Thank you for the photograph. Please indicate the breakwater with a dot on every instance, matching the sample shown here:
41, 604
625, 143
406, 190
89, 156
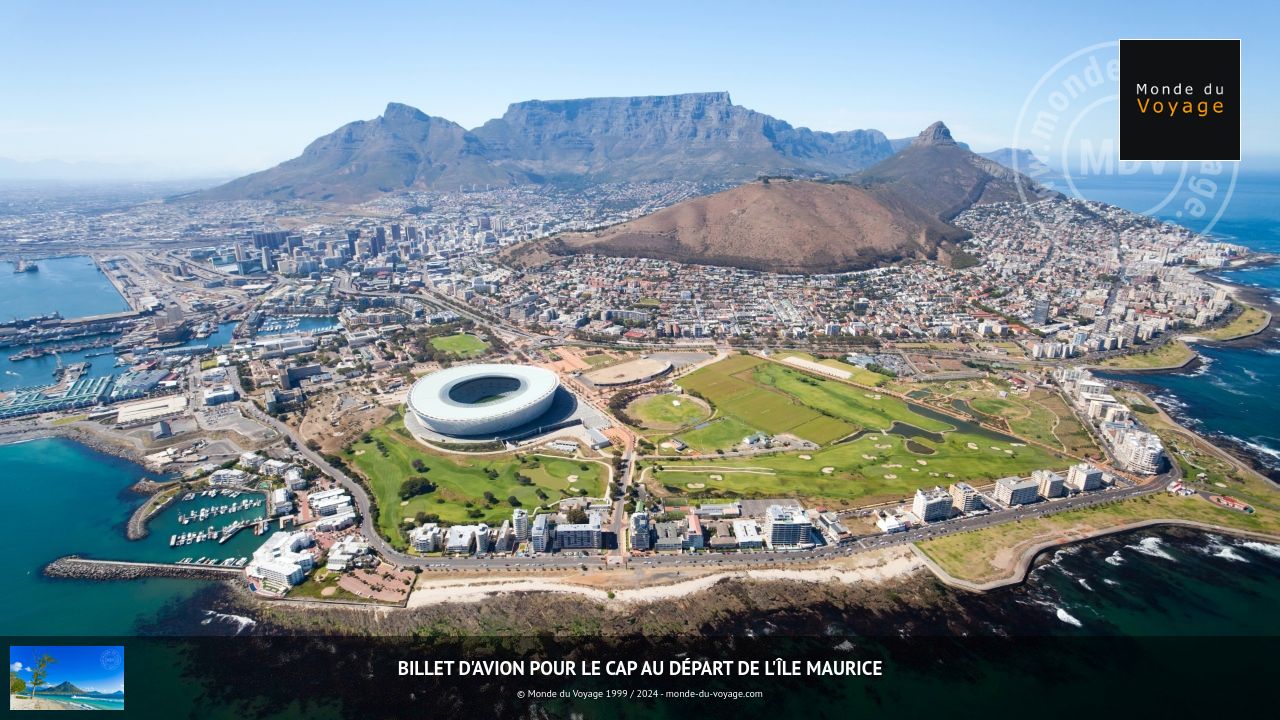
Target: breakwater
87, 569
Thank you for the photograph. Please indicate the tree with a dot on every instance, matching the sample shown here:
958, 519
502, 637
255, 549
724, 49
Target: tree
513, 501
16, 684
414, 486
576, 516
40, 673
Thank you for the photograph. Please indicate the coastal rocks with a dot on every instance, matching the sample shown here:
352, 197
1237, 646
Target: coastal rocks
80, 568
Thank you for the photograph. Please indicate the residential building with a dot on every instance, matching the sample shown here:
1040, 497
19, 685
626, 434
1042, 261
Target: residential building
520, 524
1083, 477
964, 498
540, 536
1017, 491
669, 536
1048, 483
641, 531
786, 528
580, 536
932, 505
748, 534
427, 538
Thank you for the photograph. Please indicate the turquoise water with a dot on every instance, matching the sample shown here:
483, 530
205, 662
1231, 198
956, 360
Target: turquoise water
65, 498
72, 286
97, 703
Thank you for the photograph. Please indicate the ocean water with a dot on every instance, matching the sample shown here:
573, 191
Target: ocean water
1232, 394
72, 286
97, 703
65, 498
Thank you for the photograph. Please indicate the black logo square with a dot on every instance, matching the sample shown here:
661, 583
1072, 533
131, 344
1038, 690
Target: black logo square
1179, 100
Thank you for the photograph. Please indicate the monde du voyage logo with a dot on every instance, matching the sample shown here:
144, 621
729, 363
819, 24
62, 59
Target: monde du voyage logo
1180, 100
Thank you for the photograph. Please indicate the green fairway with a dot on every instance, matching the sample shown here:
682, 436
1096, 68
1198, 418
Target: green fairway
919, 449
720, 434
1037, 414
667, 411
461, 480
872, 468
463, 345
761, 395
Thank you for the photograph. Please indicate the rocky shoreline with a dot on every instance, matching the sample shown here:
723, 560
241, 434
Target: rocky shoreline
101, 442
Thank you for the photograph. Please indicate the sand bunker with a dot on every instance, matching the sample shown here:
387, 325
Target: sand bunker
716, 477
972, 446
828, 470
922, 462
868, 457
890, 476
806, 457
696, 486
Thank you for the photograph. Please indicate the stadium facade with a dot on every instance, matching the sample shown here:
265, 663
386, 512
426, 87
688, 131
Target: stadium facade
482, 400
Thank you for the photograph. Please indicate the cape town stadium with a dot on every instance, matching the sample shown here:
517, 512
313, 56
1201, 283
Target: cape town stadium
474, 400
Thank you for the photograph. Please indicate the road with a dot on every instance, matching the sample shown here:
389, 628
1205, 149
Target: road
563, 561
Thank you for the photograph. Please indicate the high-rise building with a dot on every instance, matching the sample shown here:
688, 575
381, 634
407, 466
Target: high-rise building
786, 527
540, 536
964, 498
932, 505
520, 523
352, 237
1139, 451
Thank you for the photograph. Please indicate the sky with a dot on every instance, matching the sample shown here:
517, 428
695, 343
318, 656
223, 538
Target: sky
85, 666
205, 89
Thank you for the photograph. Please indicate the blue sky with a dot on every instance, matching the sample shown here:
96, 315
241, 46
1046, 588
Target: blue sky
199, 88
81, 665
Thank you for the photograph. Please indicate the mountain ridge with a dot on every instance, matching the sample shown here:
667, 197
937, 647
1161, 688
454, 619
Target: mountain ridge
701, 137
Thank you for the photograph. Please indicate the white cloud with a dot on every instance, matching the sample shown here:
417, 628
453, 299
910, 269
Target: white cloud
16, 667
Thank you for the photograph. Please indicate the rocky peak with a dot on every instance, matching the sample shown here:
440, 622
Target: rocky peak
935, 134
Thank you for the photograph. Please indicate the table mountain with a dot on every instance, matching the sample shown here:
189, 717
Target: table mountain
700, 137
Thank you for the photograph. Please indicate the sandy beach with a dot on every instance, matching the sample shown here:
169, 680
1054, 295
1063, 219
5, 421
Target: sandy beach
23, 702
868, 568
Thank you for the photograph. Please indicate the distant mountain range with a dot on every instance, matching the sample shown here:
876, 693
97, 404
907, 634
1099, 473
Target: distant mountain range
898, 209
701, 137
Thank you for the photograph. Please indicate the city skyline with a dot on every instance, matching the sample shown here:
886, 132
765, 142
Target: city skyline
93, 91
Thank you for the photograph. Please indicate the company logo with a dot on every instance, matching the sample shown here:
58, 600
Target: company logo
1070, 125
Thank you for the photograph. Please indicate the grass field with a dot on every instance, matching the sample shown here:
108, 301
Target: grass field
463, 345
1251, 321
667, 411
1039, 414
874, 467
598, 360
1169, 355
719, 434
461, 481
985, 555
